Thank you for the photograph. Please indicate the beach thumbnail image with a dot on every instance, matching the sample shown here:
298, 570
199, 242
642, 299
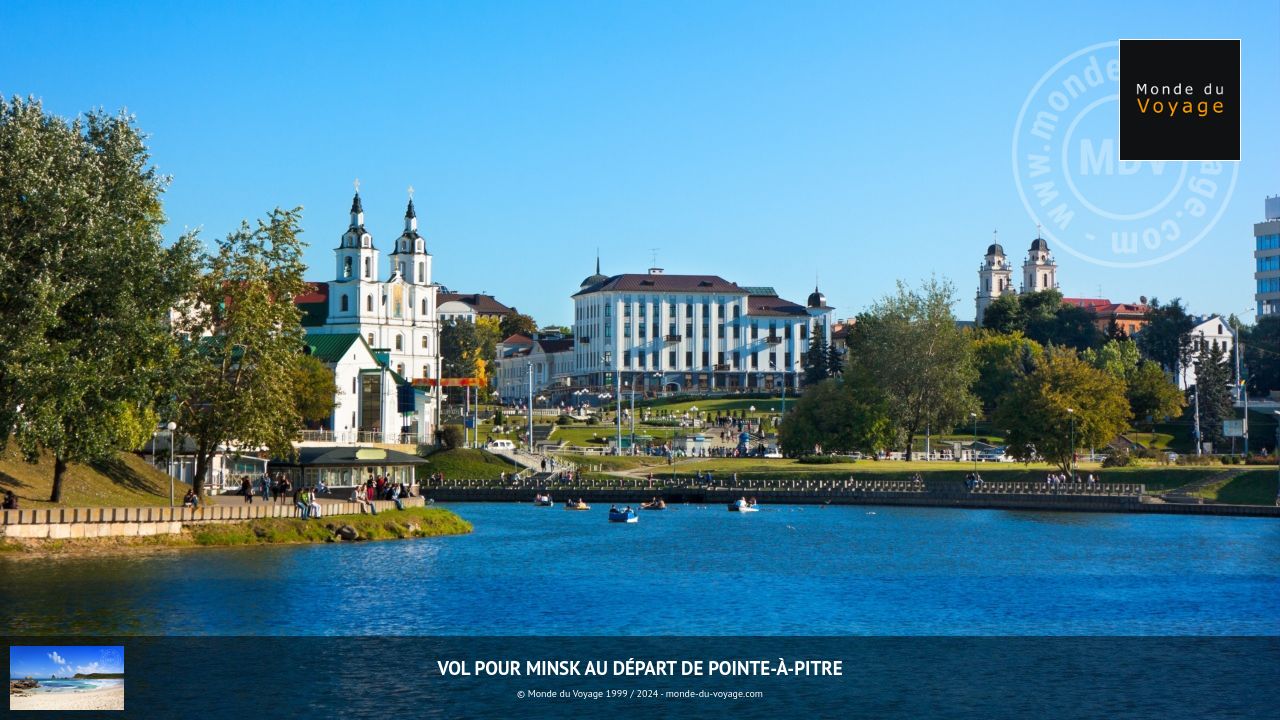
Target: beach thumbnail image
66, 677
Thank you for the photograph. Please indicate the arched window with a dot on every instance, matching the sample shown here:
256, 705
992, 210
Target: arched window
399, 342
400, 369
366, 267
370, 339
401, 269
344, 303
346, 267
422, 272
368, 303
424, 307
424, 342
354, 389
426, 371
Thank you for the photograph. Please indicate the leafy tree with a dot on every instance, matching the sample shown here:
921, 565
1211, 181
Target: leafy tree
85, 285
908, 347
488, 335
1262, 355
1063, 391
1165, 338
313, 388
1002, 360
831, 417
245, 330
449, 437
518, 324
816, 360
1152, 395
461, 353
1118, 358
1213, 386
1004, 315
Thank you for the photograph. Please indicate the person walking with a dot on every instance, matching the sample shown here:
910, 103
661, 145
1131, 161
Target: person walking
246, 489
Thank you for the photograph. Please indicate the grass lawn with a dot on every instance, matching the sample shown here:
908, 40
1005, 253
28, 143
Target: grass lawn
598, 435
609, 463
466, 464
123, 481
1154, 477
1252, 487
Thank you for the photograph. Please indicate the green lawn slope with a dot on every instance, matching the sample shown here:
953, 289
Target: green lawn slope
122, 481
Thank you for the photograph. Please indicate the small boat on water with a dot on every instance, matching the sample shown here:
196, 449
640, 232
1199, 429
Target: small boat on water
543, 501
576, 506
743, 506
658, 504
623, 516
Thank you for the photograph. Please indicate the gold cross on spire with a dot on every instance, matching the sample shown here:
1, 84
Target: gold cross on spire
357, 184
410, 192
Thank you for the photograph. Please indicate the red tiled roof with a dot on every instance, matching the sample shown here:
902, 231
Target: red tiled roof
316, 292
518, 339
1102, 306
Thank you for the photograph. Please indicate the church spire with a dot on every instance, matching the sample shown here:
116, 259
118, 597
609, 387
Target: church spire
357, 209
411, 217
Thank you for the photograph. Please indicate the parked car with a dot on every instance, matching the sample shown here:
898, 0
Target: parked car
500, 445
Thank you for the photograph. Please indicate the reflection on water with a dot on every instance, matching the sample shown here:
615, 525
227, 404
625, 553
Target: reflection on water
692, 570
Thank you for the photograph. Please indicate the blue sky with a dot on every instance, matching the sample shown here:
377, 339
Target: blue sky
42, 661
764, 142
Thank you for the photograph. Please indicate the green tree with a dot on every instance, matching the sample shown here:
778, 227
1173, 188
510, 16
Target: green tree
1062, 393
313, 388
816, 360
1165, 338
1001, 360
1004, 315
1261, 349
246, 332
1152, 395
85, 285
908, 347
835, 358
1119, 358
1213, 386
518, 324
831, 417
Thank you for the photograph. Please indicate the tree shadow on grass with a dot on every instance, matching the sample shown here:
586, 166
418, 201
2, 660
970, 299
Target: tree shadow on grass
118, 472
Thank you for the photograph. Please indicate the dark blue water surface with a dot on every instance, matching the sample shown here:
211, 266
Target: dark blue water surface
692, 571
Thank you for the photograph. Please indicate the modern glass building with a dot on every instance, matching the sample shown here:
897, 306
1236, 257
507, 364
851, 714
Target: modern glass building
1266, 257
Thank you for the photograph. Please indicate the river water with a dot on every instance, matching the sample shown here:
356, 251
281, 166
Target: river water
692, 570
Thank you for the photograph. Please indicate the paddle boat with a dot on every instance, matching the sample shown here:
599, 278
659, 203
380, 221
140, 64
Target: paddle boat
543, 501
626, 515
656, 504
579, 505
741, 505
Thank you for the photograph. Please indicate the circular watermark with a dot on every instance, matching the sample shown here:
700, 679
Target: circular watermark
1082, 196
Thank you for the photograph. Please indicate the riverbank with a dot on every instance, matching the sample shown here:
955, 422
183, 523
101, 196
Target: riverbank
107, 698
413, 522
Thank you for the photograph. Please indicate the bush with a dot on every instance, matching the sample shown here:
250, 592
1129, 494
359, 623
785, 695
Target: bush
1124, 458
1260, 460
1196, 460
564, 420
822, 460
1146, 453
450, 436
592, 420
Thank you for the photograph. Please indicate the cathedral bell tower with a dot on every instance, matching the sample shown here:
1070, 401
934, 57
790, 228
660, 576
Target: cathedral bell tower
410, 259
1039, 272
355, 290
995, 278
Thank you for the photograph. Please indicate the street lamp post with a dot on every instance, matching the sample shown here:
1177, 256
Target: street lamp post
973, 449
530, 441
1072, 413
168, 465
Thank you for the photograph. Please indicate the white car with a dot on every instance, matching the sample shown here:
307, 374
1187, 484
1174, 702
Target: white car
500, 445
774, 454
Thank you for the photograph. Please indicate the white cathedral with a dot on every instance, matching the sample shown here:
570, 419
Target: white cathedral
378, 331
995, 275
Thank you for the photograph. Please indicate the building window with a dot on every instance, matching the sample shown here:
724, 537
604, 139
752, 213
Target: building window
422, 272
671, 359
688, 358
426, 371
344, 303
424, 342
400, 344
370, 339
400, 369
366, 267
626, 358
401, 266
346, 267
368, 303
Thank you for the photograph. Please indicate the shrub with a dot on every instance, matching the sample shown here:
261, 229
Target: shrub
592, 420
822, 460
450, 436
564, 420
1196, 460
1124, 458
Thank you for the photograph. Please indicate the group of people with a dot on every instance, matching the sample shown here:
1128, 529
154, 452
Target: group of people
380, 488
270, 487
972, 480
10, 500
1055, 479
